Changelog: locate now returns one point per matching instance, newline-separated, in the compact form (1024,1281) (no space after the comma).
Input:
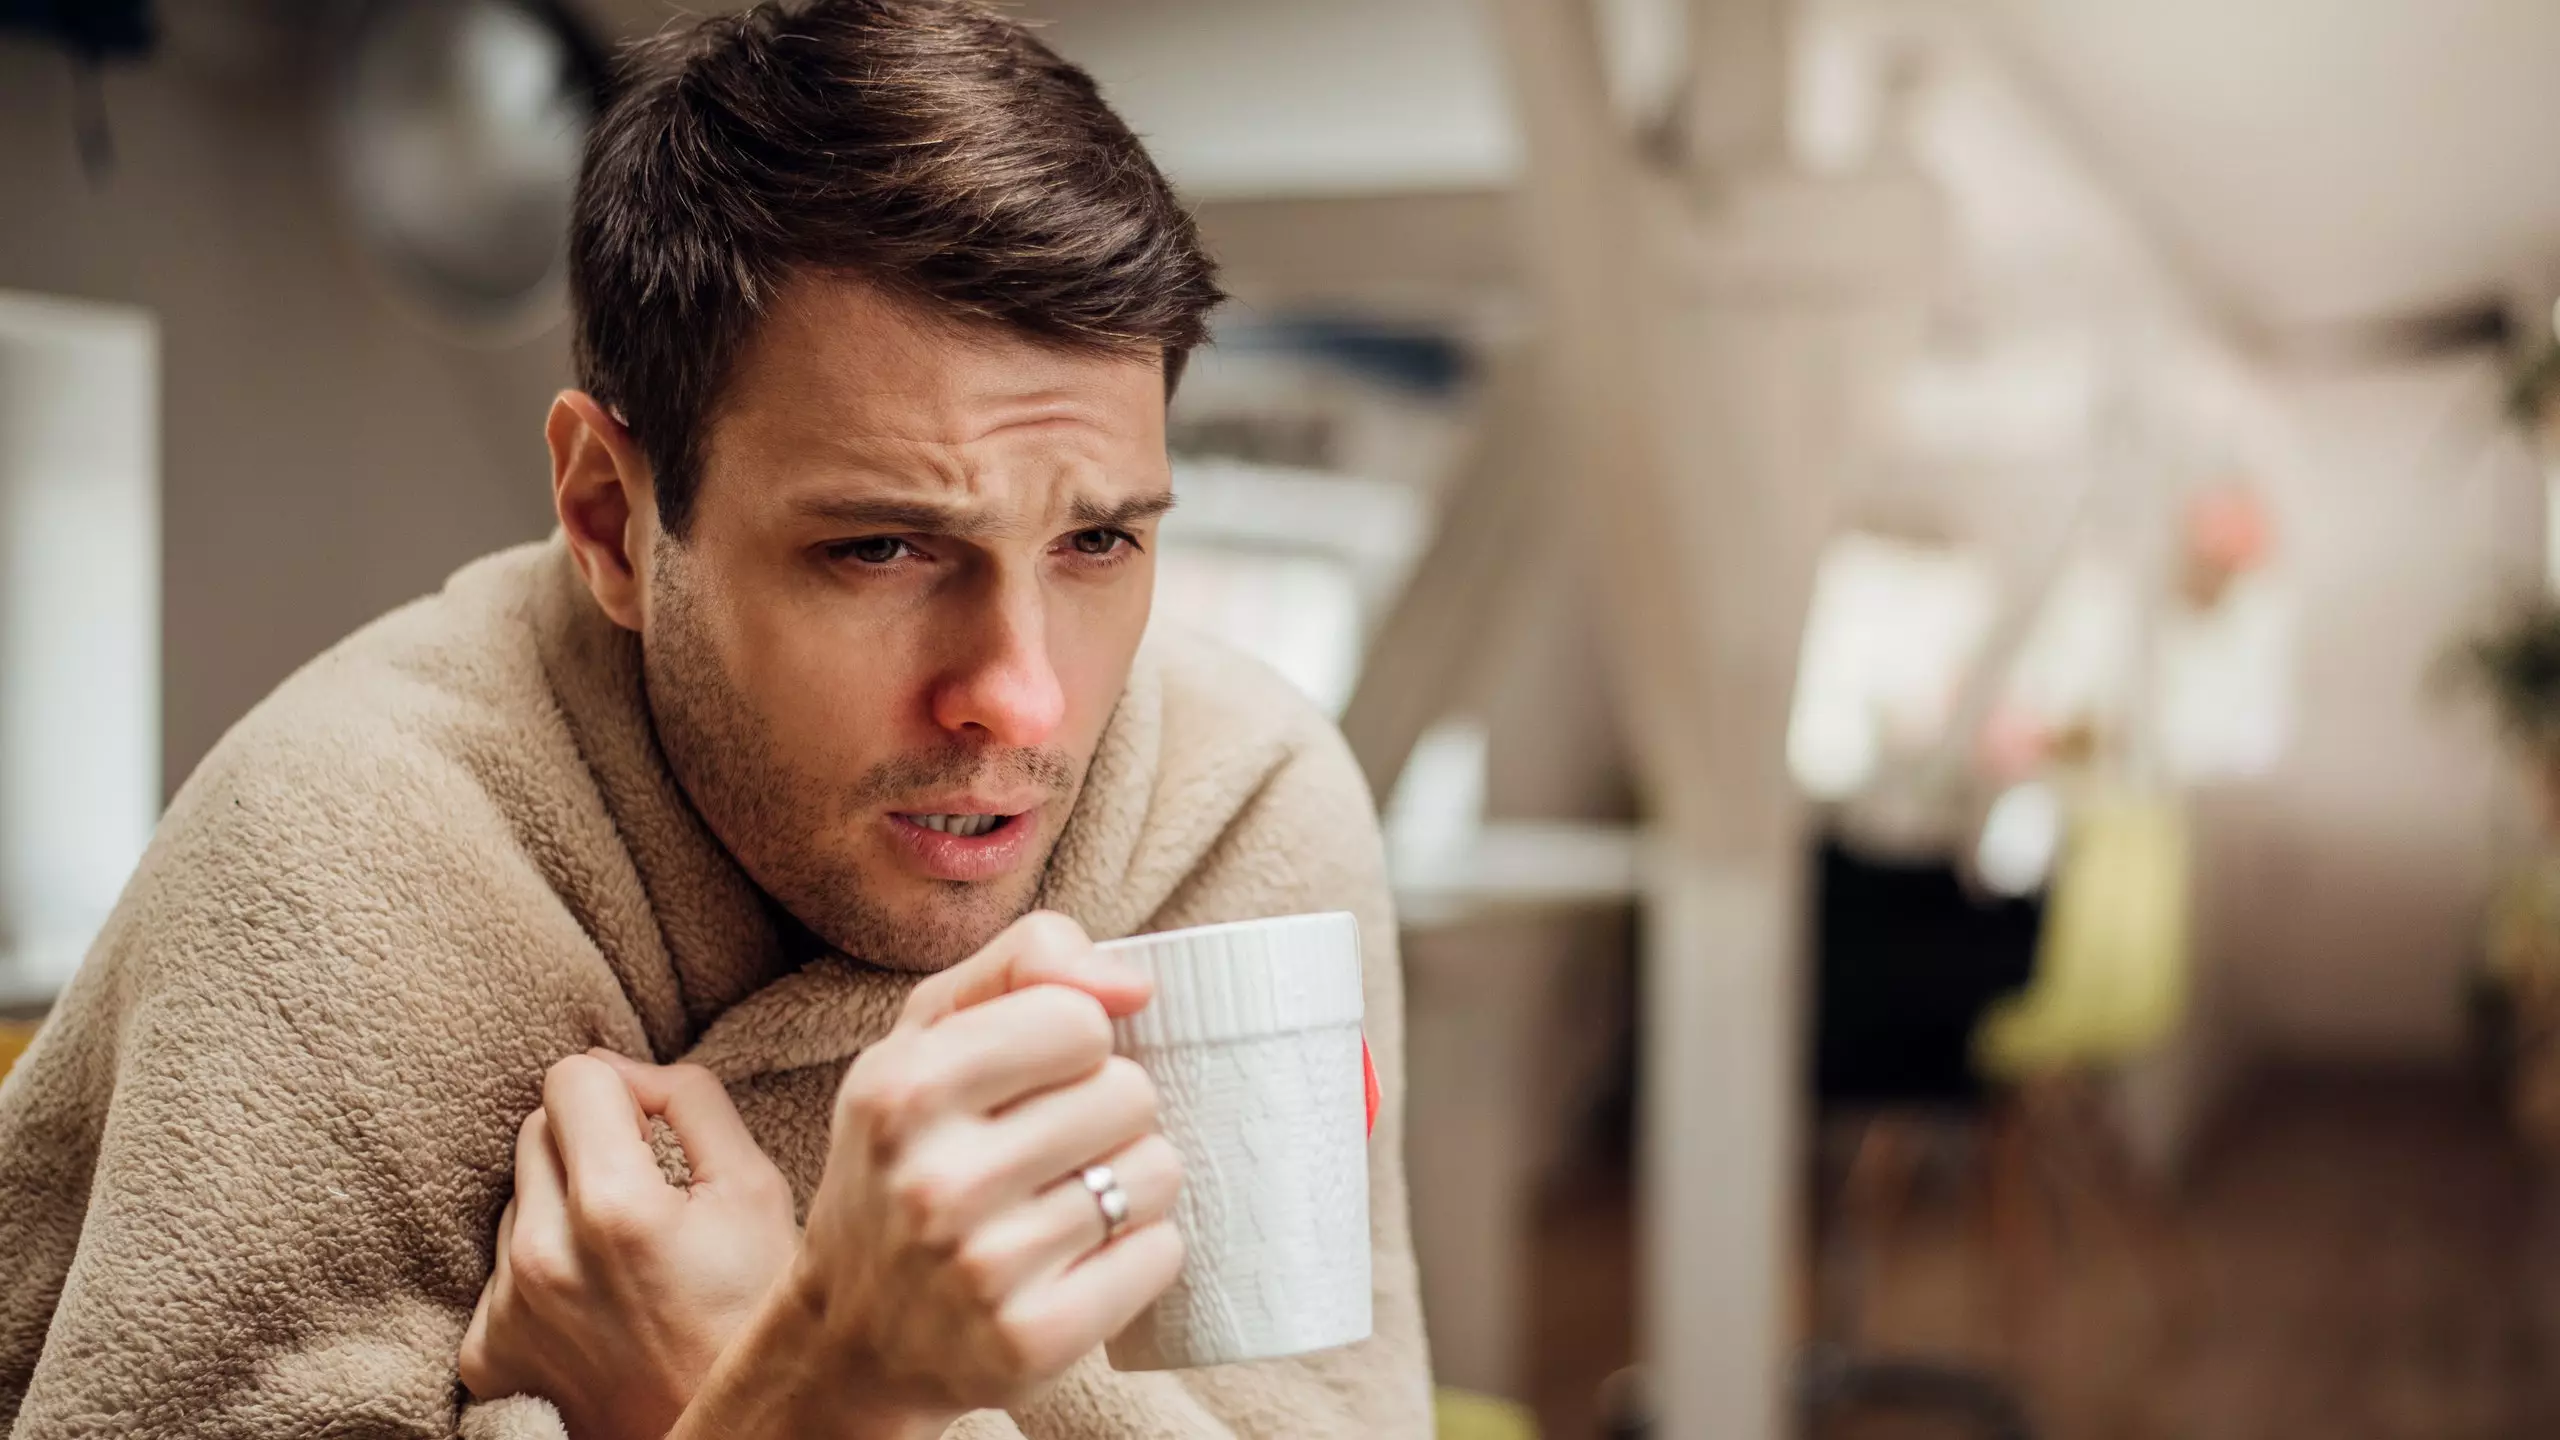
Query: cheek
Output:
(1092,640)
(837,685)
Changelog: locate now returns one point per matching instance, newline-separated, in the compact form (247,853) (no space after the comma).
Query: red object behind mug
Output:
(1369,1083)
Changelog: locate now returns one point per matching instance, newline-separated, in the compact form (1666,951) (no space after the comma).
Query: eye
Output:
(870,550)
(1098,542)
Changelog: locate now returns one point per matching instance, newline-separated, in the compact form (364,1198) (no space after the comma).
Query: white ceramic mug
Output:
(1253,1040)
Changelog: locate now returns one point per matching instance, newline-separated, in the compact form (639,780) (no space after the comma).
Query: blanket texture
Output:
(251,1169)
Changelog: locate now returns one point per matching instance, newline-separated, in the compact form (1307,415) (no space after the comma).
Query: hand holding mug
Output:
(955,1256)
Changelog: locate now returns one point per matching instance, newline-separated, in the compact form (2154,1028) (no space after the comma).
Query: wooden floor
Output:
(2359,1264)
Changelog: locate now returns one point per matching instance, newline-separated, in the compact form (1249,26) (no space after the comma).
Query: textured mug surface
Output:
(1253,1040)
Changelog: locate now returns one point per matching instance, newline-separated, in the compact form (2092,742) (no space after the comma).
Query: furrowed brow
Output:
(919,517)
(1087,514)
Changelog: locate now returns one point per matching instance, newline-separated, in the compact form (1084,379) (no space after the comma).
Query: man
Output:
(809,753)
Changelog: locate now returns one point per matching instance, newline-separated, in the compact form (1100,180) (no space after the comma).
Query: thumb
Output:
(1041,948)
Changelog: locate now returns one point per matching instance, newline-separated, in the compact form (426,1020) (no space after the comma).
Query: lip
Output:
(966,857)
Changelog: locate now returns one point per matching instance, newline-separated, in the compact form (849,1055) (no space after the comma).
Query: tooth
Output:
(935,822)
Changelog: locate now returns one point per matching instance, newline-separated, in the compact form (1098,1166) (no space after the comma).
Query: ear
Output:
(600,487)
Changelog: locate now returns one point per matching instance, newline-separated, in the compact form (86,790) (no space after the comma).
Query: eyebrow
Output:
(1121,514)
(929,517)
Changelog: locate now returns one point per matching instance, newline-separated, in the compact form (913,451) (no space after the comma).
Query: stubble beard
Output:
(789,829)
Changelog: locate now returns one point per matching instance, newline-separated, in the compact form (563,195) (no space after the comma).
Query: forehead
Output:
(840,376)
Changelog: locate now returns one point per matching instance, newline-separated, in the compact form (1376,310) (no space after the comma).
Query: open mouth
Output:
(967,827)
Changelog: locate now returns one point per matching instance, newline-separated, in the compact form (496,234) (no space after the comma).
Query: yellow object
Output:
(1467,1416)
(2112,966)
(14,1039)
(2524,925)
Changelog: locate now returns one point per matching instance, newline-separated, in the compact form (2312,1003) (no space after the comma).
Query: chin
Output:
(927,930)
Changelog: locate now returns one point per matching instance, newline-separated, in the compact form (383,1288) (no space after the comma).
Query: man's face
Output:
(917,568)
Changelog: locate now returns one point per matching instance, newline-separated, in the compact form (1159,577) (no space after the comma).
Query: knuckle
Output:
(1085,1021)
(928,1197)
(1075,1018)
(1131,1088)
(982,1270)
(926,999)
(612,1218)
(895,1095)
(1049,935)
(538,1261)
(474,1369)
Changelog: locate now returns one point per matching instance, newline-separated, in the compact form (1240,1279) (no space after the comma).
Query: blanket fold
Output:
(251,1169)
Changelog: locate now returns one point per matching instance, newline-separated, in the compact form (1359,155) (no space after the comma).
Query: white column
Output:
(1714,373)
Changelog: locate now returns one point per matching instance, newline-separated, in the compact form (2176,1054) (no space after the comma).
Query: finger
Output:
(693,1102)
(1059,1130)
(978,1168)
(1041,948)
(1042,1236)
(542,1188)
(599,1131)
(479,1374)
(1014,1046)
(1067,1315)
(506,1232)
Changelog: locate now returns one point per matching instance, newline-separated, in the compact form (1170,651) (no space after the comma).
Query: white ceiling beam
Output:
(1738,74)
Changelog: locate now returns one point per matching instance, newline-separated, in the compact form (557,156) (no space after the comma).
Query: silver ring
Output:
(1108,1197)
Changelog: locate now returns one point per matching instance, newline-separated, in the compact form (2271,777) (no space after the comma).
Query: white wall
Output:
(324,458)
(2365,858)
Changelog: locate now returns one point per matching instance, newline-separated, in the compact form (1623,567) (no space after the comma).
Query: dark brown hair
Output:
(930,147)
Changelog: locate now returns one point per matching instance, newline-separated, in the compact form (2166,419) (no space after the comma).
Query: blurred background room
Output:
(1949,604)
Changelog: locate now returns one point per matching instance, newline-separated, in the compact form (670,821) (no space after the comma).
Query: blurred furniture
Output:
(2110,986)
(1909,959)
(1463,1415)
(2110,979)
(2516,1000)
(1937,1011)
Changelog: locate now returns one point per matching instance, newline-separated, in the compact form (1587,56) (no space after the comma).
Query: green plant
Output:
(2534,385)
(2516,665)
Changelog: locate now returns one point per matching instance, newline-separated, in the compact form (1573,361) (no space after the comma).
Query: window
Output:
(79,624)
(1893,626)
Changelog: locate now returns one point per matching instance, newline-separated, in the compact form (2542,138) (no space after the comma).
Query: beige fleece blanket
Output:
(251,1169)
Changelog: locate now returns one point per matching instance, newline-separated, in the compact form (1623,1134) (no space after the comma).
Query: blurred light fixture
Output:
(459,126)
